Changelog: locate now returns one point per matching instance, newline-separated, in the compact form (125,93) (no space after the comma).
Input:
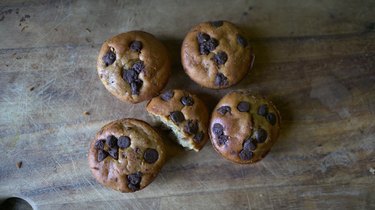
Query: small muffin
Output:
(244,127)
(185,114)
(134,66)
(216,54)
(126,155)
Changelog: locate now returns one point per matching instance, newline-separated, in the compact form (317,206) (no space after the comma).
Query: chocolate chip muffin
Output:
(134,66)
(244,127)
(216,54)
(185,114)
(126,155)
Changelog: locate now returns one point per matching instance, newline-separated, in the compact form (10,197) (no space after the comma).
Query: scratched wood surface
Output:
(314,59)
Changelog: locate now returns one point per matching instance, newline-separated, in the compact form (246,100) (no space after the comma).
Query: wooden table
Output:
(314,59)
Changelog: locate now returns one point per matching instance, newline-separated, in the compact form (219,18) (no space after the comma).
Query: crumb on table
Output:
(19,164)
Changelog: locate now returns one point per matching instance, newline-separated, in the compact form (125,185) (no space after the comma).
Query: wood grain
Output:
(314,59)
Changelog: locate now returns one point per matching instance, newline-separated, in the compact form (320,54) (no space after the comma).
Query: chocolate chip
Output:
(100,144)
(249,144)
(263,110)
(135,178)
(241,40)
(222,140)
(177,116)
(136,86)
(151,156)
(102,155)
(136,46)
(260,135)
(198,137)
(134,181)
(129,75)
(203,50)
(113,152)
(220,58)
(112,141)
(208,46)
(167,95)
(134,187)
(202,37)
(221,80)
(243,106)
(123,142)
(109,58)
(216,23)
(218,129)
(212,44)
(19,164)
(191,127)
(187,101)
(223,110)
(138,66)
(271,117)
(245,154)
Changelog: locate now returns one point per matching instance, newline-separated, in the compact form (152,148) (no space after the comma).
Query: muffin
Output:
(216,54)
(185,114)
(244,127)
(134,66)
(126,155)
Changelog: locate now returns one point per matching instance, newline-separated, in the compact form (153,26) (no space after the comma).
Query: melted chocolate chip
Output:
(216,23)
(202,37)
(222,140)
(100,144)
(109,58)
(243,106)
(134,181)
(249,144)
(187,101)
(136,46)
(203,50)
(151,156)
(134,187)
(245,154)
(198,137)
(208,46)
(191,127)
(212,44)
(224,109)
(167,95)
(112,141)
(102,155)
(221,80)
(271,118)
(177,116)
(138,66)
(136,86)
(241,40)
(260,135)
(220,58)
(113,152)
(135,178)
(218,129)
(130,75)
(123,142)
(263,110)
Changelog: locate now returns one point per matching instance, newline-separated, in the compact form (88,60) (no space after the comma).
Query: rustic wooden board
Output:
(314,59)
